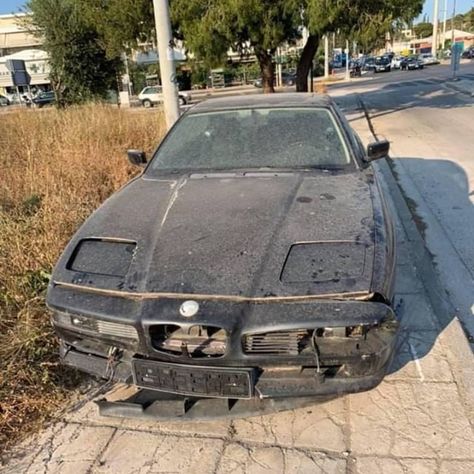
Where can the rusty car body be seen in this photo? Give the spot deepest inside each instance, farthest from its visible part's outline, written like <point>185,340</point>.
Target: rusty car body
<point>252,260</point>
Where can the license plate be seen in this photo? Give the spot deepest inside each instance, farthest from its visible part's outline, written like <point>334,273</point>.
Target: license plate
<point>193,380</point>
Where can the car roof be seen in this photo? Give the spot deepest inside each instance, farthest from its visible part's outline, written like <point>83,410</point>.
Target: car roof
<point>291,99</point>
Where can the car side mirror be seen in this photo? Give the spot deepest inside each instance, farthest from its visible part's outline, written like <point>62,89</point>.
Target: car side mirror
<point>377,150</point>
<point>136,157</point>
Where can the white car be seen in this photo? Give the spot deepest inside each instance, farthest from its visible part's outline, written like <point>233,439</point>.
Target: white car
<point>428,59</point>
<point>396,62</point>
<point>153,95</point>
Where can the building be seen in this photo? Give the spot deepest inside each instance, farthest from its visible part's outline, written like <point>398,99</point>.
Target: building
<point>424,45</point>
<point>16,42</point>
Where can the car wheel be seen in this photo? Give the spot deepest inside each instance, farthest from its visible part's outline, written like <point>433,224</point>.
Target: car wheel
<point>182,101</point>
<point>147,104</point>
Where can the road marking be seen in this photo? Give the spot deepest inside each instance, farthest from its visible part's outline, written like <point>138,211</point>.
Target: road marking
<point>417,362</point>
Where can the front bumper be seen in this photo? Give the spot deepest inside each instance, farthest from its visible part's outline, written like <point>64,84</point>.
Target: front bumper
<point>275,390</point>
<point>345,365</point>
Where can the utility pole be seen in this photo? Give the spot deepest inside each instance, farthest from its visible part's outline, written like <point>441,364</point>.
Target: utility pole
<point>164,37</point>
<point>347,61</point>
<point>326,56</point>
<point>445,15</point>
<point>434,46</point>
<point>452,24</point>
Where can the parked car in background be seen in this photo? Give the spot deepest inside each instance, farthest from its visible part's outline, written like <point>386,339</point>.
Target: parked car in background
<point>288,289</point>
<point>43,99</point>
<point>288,79</point>
<point>368,63</point>
<point>428,59</point>
<point>396,62</point>
<point>153,95</point>
<point>382,64</point>
<point>468,54</point>
<point>4,101</point>
<point>413,63</point>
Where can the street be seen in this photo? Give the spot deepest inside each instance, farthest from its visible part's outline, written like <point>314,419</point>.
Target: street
<point>430,127</point>
<point>420,418</point>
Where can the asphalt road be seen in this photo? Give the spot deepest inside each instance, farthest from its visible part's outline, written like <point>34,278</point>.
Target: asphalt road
<point>431,129</point>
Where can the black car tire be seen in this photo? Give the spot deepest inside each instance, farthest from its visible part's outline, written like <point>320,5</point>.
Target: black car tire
<point>181,100</point>
<point>147,103</point>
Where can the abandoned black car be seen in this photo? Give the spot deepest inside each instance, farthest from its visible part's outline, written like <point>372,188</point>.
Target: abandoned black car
<point>252,260</point>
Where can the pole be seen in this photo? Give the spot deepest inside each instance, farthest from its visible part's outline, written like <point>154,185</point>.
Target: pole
<point>326,56</point>
<point>445,15</point>
<point>434,46</point>
<point>452,24</point>
<point>166,54</point>
<point>279,69</point>
<point>347,61</point>
<point>453,49</point>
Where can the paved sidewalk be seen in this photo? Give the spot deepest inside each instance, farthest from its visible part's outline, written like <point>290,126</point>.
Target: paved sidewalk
<point>416,421</point>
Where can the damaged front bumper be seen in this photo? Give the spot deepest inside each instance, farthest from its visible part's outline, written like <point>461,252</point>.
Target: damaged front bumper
<point>273,353</point>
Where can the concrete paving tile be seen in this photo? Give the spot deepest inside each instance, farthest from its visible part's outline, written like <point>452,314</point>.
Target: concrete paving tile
<point>182,455</point>
<point>238,459</point>
<point>404,257</point>
<point>132,451</point>
<point>31,448</point>
<point>374,465</point>
<point>318,428</point>
<point>406,280</point>
<point>129,452</point>
<point>422,357</point>
<point>415,312</point>
<point>74,445</point>
<point>425,420</point>
<point>62,467</point>
<point>457,467</point>
<point>214,429</point>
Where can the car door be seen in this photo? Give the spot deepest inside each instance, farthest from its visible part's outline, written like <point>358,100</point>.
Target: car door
<point>156,95</point>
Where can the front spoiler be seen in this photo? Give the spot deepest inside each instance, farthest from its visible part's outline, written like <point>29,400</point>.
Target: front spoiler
<point>149,404</point>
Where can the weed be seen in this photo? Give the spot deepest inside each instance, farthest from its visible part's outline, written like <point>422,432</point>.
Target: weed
<point>56,167</point>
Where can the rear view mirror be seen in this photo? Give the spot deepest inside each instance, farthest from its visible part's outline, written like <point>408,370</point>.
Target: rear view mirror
<point>377,150</point>
<point>137,157</point>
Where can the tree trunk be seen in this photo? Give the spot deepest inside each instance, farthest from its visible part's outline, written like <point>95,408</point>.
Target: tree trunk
<point>305,63</point>
<point>265,61</point>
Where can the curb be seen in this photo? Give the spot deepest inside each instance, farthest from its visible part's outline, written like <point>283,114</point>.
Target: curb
<point>460,355</point>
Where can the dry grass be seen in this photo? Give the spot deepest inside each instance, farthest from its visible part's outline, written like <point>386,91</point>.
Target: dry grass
<point>55,168</point>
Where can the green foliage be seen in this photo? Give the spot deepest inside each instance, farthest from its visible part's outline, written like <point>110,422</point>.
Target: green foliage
<point>423,30</point>
<point>122,24</point>
<point>211,27</point>
<point>362,20</point>
<point>80,68</point>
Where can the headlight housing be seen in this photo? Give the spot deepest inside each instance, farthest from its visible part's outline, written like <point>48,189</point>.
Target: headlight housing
<point>95,326</point>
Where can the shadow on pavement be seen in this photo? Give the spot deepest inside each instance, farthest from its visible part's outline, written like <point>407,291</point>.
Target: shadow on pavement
<point>420,324</point>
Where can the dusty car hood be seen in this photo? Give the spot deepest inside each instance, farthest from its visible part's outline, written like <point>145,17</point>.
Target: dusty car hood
<point>257,234</point>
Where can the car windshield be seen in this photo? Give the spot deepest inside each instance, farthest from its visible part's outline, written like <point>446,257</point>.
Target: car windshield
<point>253,138</point>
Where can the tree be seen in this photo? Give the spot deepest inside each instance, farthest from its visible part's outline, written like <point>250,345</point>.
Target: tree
<point>423,30</point>
<point>122,24</point>
<point>79,67</point>
<point>359,19</point>
<point>211,27</point>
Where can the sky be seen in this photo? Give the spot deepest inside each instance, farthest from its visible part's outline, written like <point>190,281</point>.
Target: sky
<point>462,6</point>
